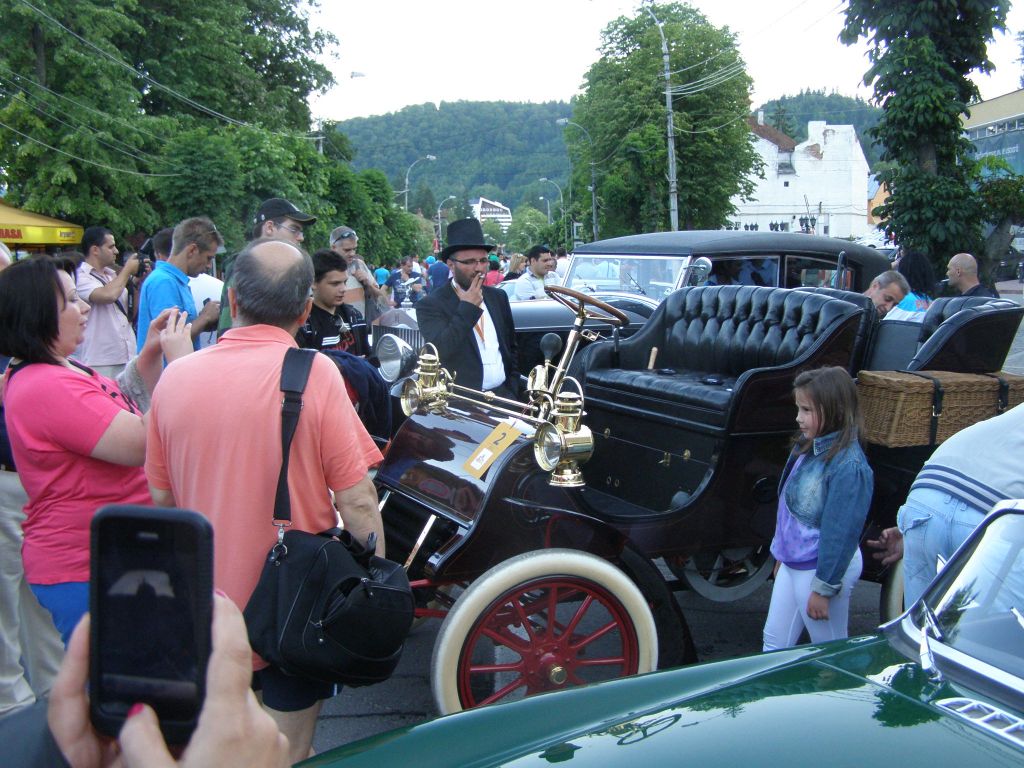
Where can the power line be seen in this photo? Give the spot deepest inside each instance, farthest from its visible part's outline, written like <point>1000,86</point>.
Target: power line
<point>127,152</point>
<point>167,89</point>
<point>82,159</point>
<point>716,128</point>
<point>86,107</point>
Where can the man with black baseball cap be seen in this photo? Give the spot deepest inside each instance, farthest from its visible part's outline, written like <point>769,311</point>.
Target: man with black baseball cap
<point>276,218</point>
<point>280,219</point>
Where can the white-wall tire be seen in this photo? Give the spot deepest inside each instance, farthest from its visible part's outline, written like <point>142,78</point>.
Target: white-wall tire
<point>497,642</point>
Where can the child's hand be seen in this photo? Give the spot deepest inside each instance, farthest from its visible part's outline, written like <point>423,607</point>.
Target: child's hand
<point>817,606</point>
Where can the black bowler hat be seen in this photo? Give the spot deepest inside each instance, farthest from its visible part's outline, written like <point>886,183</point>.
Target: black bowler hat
<point>277,207</point>
<point>464,234</point>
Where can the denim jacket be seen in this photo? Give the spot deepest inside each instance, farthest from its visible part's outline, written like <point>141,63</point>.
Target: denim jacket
<point>833,497</point>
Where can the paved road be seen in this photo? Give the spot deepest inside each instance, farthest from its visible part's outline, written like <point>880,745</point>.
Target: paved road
<point>720,630</point>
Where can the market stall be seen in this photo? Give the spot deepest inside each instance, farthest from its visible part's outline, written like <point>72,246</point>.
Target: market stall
<point>26,232</point>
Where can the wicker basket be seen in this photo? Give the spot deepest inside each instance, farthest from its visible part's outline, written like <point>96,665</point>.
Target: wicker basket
<point>898,406</point>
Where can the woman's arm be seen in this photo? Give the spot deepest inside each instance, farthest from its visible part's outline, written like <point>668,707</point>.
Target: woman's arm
<point>167,336</point>
<point>124,441</point>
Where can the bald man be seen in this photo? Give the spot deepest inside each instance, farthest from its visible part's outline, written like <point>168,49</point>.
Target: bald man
<point>214,445</point>
<point>962,272</point>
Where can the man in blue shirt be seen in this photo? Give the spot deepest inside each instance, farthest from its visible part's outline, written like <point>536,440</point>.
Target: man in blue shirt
<point>194,244</point>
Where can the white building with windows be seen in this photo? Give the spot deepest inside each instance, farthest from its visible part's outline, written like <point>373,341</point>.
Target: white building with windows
<point>818,186</point>
<point>485,210</point>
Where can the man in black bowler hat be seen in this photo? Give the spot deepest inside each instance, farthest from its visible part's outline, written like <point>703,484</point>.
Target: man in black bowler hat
<point>469,323</point>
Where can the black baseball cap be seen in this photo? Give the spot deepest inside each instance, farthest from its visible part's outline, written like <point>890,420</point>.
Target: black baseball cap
<point>276,207</point>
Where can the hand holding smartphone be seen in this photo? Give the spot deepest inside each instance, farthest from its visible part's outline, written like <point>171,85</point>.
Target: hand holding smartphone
<point>151,604</point>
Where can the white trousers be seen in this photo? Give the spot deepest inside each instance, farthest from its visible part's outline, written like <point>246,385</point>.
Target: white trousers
<point>30,647</point>
<point>787,613</point>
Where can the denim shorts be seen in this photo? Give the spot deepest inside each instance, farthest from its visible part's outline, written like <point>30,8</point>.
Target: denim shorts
<point>287,693</point>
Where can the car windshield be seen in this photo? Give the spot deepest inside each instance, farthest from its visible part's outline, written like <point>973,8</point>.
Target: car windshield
<point>654,276</point>
<point>978,605</point>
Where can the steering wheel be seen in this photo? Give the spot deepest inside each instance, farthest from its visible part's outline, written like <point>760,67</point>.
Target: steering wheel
<point>578,302</point>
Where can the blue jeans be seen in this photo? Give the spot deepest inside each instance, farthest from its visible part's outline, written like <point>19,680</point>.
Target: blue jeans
<point>66,602</point>
<point>933,524</point>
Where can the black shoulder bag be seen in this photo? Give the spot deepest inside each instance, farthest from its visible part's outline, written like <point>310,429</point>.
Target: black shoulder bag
<point>325,608</point>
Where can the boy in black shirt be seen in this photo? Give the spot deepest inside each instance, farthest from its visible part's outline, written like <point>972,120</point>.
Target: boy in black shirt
<point>332,324</point>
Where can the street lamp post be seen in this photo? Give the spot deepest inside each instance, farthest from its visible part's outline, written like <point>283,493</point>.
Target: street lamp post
<point>561,205</point>
<point>673,191</point>
<point>549,208</point>
<point>439,233</point>
<point>593,170</point>
<point>408,171</point>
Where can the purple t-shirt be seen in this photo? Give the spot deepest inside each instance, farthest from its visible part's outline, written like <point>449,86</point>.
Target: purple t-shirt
<point>794,544</point>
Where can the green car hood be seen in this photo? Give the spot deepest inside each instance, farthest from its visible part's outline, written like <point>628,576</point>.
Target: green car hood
<point>852,702</point>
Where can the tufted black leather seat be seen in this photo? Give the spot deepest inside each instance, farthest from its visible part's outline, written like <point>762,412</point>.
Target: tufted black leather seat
<point>868,322</point>
<point>967,334</point>
<point>715,343</point>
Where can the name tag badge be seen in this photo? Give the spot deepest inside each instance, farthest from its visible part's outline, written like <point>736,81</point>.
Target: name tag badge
<point>495,444</point>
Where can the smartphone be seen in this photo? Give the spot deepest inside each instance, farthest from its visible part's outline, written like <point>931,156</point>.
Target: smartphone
<point>151,603</point>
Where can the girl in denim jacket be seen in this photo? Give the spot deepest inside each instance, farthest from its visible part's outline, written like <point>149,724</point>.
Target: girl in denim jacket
<point>824,497</point>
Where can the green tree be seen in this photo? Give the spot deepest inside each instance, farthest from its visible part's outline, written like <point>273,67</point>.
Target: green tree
<point>781,121</point>
<point>493,232</point>
<point>75,144</point>
<point>203,154</point>
<point>98,101</point>
<point>1002,200</point>
<point>422,199</point>
<point>527,229</point>
<point>623,109</point>
<point>920,64</point>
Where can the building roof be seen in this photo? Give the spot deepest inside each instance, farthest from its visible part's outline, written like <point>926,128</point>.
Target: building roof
<point>1000,108</point>
<point>776,137</point>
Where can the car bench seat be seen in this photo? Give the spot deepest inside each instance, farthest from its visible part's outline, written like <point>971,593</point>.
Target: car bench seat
<point>967,344</point>
<point>868,322</point>
<point>965,335</point>
<point>726,357</point>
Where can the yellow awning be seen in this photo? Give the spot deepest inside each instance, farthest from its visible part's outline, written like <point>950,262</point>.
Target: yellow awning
<point>18,226</point>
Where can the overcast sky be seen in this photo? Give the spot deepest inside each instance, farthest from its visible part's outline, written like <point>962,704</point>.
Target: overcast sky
<point>538,50</point>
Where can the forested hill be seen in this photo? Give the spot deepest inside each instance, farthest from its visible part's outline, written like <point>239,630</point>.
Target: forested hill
<point>790,115</point>
<point>493,149</point>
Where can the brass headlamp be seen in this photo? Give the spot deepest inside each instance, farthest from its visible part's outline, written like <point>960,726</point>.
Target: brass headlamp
<point>428,388</point>
<point>563,443</point>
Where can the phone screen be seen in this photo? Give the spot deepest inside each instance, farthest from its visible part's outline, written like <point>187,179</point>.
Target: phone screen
<point>152,616</point>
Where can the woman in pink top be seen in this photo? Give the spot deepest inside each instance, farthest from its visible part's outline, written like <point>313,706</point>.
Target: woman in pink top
<point>78,441</point>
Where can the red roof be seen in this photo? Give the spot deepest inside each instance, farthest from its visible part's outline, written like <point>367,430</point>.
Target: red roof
<point>776,137</point>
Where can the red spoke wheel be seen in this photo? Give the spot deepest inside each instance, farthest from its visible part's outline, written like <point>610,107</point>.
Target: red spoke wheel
<point>539,622</point>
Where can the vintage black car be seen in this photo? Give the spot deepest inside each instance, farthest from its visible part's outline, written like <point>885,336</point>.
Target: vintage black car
<point>635,273</point>
<point>551,535</point>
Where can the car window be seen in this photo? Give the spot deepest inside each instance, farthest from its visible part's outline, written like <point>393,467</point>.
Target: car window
<point>653,276</point>
<point>980,611</point>
<point>816,273</point>
<point>745,270</point>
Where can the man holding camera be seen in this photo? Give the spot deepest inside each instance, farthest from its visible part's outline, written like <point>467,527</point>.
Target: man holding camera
<point>109,337</point>
<point>194,245</point>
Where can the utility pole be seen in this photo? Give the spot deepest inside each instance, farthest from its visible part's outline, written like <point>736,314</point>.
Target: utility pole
<point>673,191</point>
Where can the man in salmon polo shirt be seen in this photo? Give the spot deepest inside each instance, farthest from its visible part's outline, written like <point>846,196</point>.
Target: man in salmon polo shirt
<point>214,445</point>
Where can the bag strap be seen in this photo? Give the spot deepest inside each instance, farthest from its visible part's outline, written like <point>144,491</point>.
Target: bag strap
<point>294,375</point>
<point>937,394</point>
